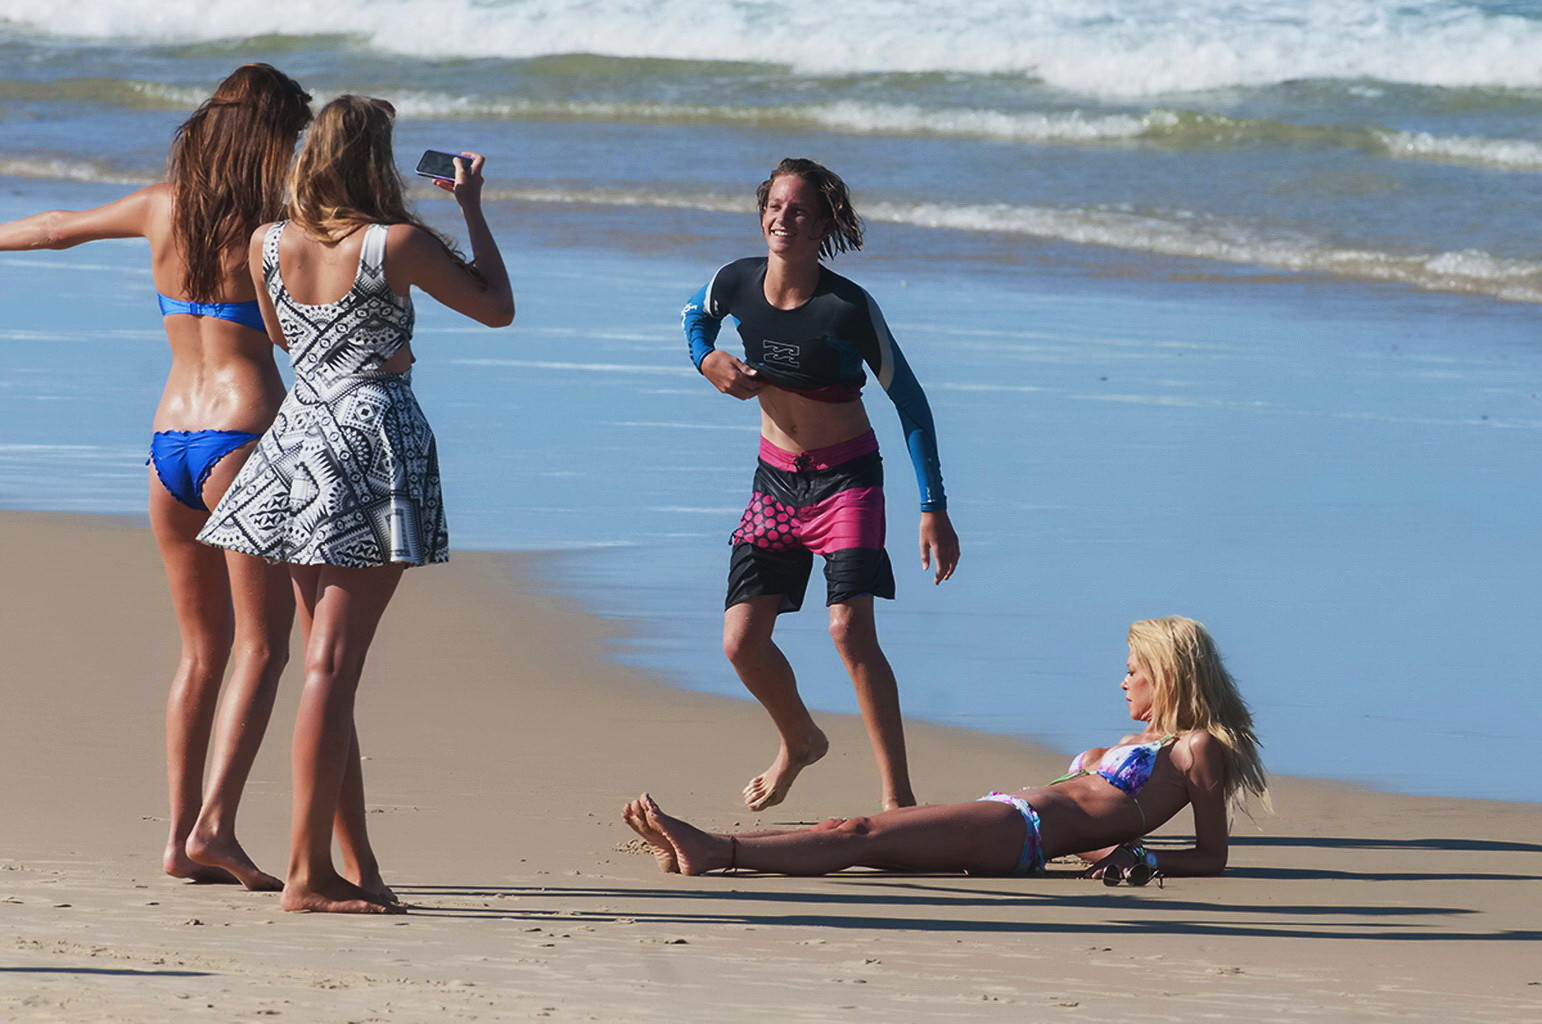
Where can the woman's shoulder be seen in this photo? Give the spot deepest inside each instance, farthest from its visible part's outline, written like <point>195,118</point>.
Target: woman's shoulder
<point>1199,750</point>
<point>153,203</point>
<point>160,193</point>
<point>410,240</point>
<point>259,237</point>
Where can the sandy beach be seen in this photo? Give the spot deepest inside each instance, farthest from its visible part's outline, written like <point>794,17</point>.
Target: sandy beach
<point>502,743</point>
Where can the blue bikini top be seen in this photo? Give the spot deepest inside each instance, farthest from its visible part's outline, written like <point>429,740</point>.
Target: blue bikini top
<point>1127,768</point>
<point>247,314</point>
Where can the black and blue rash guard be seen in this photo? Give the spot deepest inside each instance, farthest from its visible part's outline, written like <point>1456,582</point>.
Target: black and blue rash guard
<point>818,350</point>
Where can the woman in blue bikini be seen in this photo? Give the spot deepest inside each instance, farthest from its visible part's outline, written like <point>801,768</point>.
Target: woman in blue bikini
<point>229,162</point>
<point>1197,749</point>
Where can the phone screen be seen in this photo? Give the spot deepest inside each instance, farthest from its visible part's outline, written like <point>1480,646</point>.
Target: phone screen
<point>438,164</point>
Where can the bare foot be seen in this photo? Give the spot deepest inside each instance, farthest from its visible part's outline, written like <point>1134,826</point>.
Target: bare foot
<point>770,788</point>
<point>335,896</point>
<point>372,883</point>
<point>636,816</point>
<point>228,856</point>
<point>894,803</point>
<point>176,863</point>
<point>696,852</point>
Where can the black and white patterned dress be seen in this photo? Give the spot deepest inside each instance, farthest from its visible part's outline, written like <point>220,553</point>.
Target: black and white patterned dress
<point>348,473</point>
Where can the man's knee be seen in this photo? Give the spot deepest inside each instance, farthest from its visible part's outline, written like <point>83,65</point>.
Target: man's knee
<point>744,648</point>
<point>851,632</point>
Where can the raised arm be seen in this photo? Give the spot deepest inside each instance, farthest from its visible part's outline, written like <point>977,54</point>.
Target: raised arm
<point>416,257</point>
<point>128,217</point>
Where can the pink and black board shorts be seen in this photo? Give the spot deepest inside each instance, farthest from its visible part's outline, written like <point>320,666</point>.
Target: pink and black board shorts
<point>828,502</point>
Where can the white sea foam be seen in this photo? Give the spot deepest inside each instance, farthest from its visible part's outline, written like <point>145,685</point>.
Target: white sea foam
<point>1100,47</point>
<point>1163,127</point>
<point>17,166</point>
<point>1516,154</point>
<point>1167,233</point>
<point>1159,127</point>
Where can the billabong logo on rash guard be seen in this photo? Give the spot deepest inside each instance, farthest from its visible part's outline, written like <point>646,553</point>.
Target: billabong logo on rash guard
<point>774,352</point>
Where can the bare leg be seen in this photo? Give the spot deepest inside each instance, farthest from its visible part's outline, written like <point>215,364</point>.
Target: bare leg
<point>983,837</point>
<point>359,863</point>
<point>200,596</point>
<point>351,821</point>
<point>856,639</point>
<point>345,607</point>
<point>766,673</point>
<point>264,613</point>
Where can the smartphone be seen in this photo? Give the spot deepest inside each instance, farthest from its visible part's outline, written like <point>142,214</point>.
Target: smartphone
<point>438,164</point>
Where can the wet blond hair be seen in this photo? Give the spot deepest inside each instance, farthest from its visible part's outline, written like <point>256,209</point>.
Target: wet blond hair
<point>1191,689</point>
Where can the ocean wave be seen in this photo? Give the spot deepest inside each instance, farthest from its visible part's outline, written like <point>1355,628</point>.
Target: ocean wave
<point>57,169</point>
<point>1160,127</point>
<point>1168,128</point>
<point>1128,48</point>
<point>1165,233</point>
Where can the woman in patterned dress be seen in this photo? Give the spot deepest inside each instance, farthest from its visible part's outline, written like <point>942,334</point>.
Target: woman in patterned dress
<point>345,485</point>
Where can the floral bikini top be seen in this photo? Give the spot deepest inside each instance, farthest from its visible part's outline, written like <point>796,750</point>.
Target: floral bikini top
<point>1127,768</point>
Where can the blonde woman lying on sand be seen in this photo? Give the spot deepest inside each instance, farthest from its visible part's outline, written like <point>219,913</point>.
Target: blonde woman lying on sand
<point>1197,749</point>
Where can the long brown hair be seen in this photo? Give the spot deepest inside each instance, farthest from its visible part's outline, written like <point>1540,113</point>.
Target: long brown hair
<point>346,175</point>
<point>846,231</point>
<point>1193,690</point>
<point>227,169</point>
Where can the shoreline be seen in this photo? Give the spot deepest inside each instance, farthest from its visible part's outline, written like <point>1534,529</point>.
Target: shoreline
<point>502,742</point>
<point>540,567</point>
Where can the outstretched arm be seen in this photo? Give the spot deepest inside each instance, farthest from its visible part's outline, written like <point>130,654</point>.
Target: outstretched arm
<point>128,217</point>
<point>1202,759</point>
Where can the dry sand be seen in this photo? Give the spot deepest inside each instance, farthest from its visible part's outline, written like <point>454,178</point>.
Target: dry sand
<point>502,745</point>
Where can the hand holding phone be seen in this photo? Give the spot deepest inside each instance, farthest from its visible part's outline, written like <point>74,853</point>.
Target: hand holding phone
<point>438,164</point>
<point>465,184</point>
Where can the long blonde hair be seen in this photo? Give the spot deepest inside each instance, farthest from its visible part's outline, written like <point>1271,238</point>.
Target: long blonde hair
<point>1193,690</point>
<point>346,175</point>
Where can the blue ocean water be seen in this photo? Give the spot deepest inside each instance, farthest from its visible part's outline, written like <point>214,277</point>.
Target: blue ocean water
<point>1224,310</point>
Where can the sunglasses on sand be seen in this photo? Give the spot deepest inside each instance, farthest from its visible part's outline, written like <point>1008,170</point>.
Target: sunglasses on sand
<point>1138,874</point>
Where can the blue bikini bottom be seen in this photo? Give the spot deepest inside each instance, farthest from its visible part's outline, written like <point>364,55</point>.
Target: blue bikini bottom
<point>183,459</point>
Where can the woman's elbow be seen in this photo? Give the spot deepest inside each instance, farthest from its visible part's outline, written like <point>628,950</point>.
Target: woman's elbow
<point>1214,864</point>
<point>50,234</point>
<point>498,315</point>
